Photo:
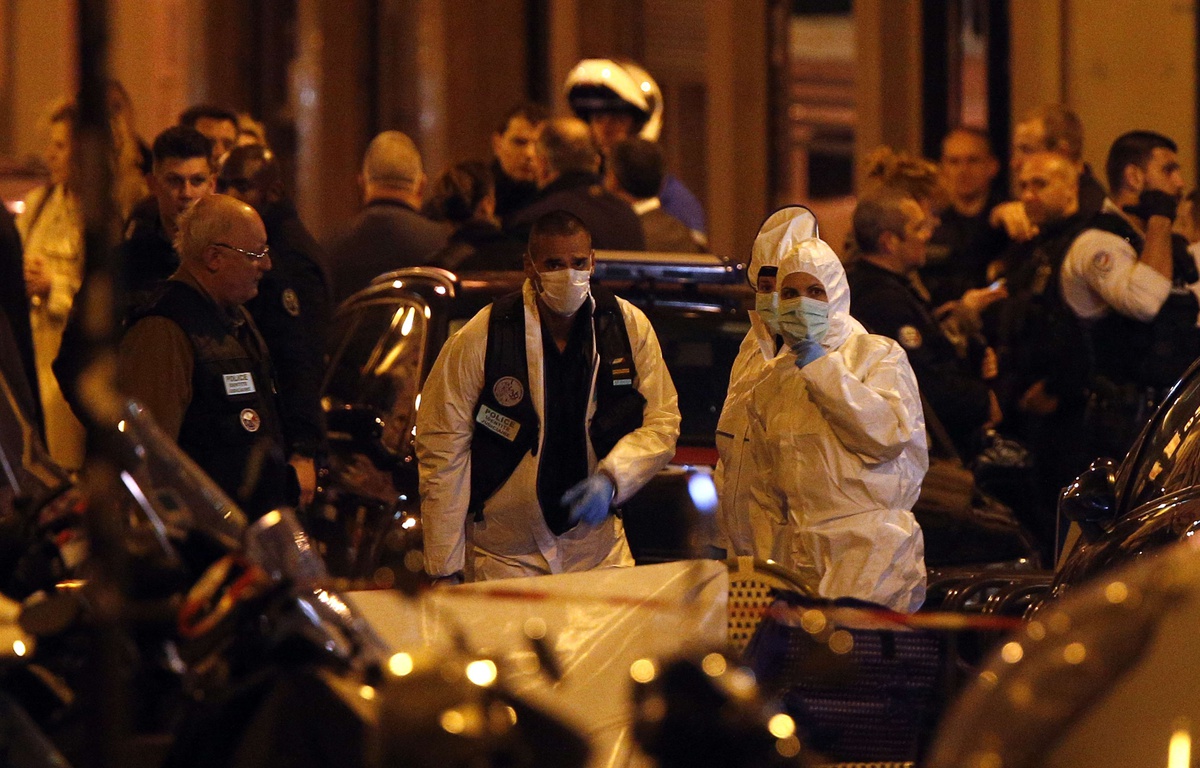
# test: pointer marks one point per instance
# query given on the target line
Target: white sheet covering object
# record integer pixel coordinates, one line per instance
(597, 623)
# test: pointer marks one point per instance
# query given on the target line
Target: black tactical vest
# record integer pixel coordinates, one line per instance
(1155, 353)
(231, 427)
(506, 425)
(1036, 335)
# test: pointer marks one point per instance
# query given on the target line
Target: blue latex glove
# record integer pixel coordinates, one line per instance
(807, 351)
(590, 499)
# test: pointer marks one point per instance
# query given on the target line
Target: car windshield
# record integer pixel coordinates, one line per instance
(1169, 459)
(378, 362)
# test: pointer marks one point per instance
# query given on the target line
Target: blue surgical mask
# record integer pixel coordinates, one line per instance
(767, 306)
(803, 318)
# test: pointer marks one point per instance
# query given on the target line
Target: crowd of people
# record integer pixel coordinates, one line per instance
(225, 296)
(1054, 320)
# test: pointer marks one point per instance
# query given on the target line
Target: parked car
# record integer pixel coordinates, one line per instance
(1151, 499)
(1116, 513)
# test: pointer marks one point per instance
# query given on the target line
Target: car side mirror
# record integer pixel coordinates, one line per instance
(1091, 501)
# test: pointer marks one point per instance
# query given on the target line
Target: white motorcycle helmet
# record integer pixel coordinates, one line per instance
(610, 85)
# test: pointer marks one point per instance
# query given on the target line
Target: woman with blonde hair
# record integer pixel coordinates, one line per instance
(51, 229)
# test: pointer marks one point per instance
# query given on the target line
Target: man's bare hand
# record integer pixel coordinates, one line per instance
(1185, 221)
(37, 279)
(990, 368)
(1012, 219)
(978, 299)
(1038, 401)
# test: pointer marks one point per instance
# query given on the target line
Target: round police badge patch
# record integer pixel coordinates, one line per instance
(910, 337)
(508, 391)
(251, 420)
(291, 302)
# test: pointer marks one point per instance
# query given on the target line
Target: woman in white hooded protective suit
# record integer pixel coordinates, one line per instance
(837, 440)
(738, 533)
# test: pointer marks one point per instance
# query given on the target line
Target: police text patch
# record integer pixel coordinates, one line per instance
(498, 423)
(238, 384)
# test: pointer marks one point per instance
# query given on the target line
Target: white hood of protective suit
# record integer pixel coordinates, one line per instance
(778, 234)
(815, 257)
(782, 230)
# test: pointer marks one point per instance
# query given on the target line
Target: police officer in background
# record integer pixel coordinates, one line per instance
(292, 306)
(1128, 278)
(1044, 361)
(1049, 128)
(892, 232)
(195, 360)
(618, 100)
(964, 243)
(552, 406)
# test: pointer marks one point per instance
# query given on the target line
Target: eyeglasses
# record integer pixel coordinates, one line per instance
(266, 251)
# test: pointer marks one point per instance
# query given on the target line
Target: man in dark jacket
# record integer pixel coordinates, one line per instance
(195, 360)
(635, 174)
(965, 243)
(390, 232)
(291, 309)
(892, 231)
(514, 166)
(183, 173)
(570, 182)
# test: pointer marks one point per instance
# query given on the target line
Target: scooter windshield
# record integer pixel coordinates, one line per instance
(377, 364)
(174, 493)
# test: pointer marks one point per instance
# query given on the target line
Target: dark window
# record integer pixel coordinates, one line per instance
(699, 349)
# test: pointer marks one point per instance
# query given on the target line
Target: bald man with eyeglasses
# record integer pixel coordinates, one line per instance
(196, 361)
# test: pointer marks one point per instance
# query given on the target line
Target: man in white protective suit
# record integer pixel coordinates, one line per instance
(545, 412)
(837, 442)
(738, 534)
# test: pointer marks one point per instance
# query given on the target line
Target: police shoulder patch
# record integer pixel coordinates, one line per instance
(910, 337)
(291, 302)
(250, 420)
(508, 391)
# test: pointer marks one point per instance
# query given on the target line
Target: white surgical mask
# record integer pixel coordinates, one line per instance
(564, 290)
(767, 306)
(804, 318)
